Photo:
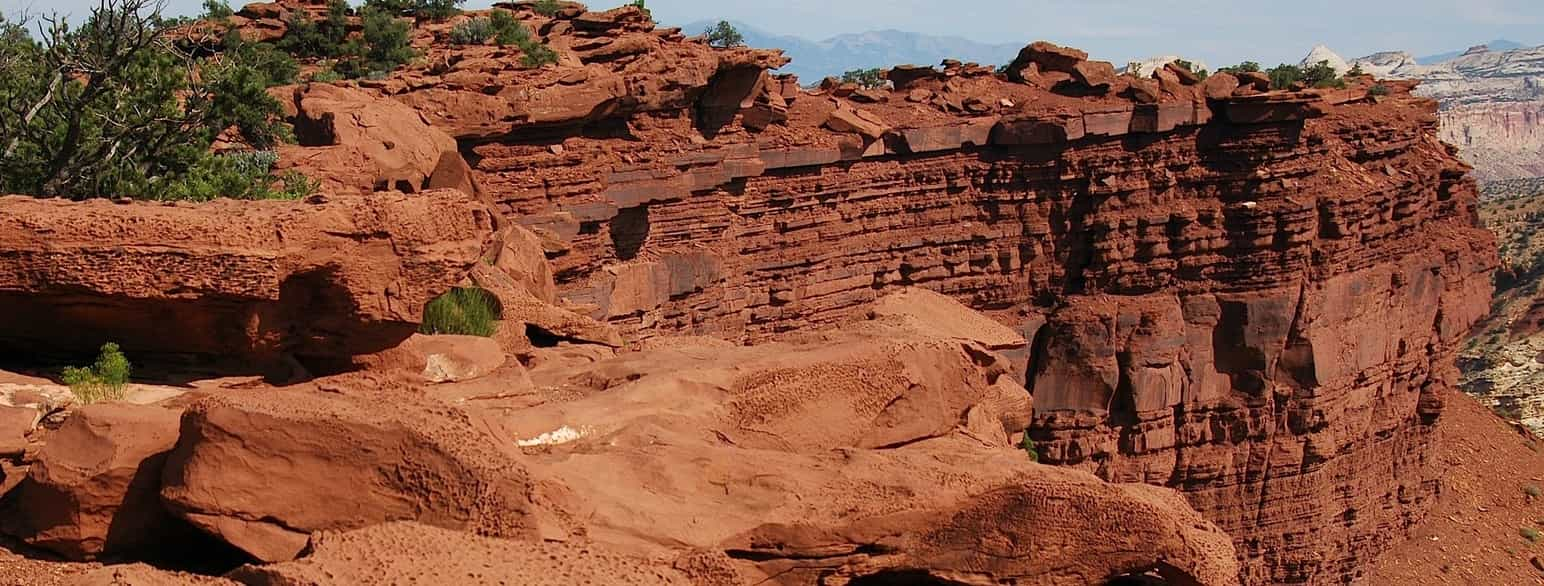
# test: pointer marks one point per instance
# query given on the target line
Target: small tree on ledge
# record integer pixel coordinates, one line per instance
(724, 35)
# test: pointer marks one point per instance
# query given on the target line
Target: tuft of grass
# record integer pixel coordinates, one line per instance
(1533, 491)
(1028, 445)
(466, 311)
(103, 380)
(1531, 534)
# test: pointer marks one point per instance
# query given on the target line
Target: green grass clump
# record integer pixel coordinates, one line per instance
(1028, 445)
(547, 7)
(465, 311)
(102, 381)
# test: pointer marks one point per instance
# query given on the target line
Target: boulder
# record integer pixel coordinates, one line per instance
(868, 125)
(1257, 80)
(1048, 56)
(93, 490)
(353, 142)
(455, 358)
(519, 253)
(236, 281)
(1219, 86)
(263, 471)
(16, 423)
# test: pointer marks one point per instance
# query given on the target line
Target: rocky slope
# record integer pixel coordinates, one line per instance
(1501, 363)
(755, 333)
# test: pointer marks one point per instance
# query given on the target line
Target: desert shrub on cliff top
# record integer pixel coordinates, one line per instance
(547, 7)
(383, 46)
(103, 380)
(307, 38)
(427, 9)
(466, 311)
(869, 78)
(113, 108)
(724, 35)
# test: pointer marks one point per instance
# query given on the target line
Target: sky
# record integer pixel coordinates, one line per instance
(1218, 32)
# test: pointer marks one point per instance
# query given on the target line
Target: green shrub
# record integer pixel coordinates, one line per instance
(537, 54)
(307, 38)
(1378, 90)
(325, 75)
(467, 311)
(382, 47)
(1531, 534)
(240, 175)
(216, 10)
(1321, 75)
(427, 9)
(869, 78)
(1533, 491)
(102, 381)
(547, 7)
(473, 31)
(724, 35)
(1245, 67)
(1028, 445)
(506, 30)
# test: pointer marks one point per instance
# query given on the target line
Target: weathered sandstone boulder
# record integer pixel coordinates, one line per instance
(835, 456)
(94, 489)
(354, 142)
(263, 471)
(227, 279)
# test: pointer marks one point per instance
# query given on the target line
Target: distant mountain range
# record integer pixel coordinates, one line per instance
(813, 60)
(1497, 45)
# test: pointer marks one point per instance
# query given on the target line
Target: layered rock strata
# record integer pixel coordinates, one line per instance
(1247, 296)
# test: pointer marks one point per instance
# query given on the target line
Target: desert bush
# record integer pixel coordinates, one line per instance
(382, 47)
(1321, 75)
(473, 31)
(216, 10)
(427, 9)
(869, 78)
(1028, 445)
(724, 35)
(506, 30)
(467, 311)
(307, 38)
(536, 54)
(239, 175)
(1245, 67)
(547, 7)
(103, 380)
(1378, 90)
(1533, 491)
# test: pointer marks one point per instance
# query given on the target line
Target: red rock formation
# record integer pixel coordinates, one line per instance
(250, 280)
(1213, 263)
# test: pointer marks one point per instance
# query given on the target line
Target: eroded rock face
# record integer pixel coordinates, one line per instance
(1177, 237)
(227, 279)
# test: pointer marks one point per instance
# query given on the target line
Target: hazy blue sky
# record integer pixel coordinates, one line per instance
(1216, 31)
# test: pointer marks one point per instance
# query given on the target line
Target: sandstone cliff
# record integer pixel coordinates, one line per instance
(1230, 315)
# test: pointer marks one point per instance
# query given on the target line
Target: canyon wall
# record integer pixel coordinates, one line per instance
(1252, 297)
